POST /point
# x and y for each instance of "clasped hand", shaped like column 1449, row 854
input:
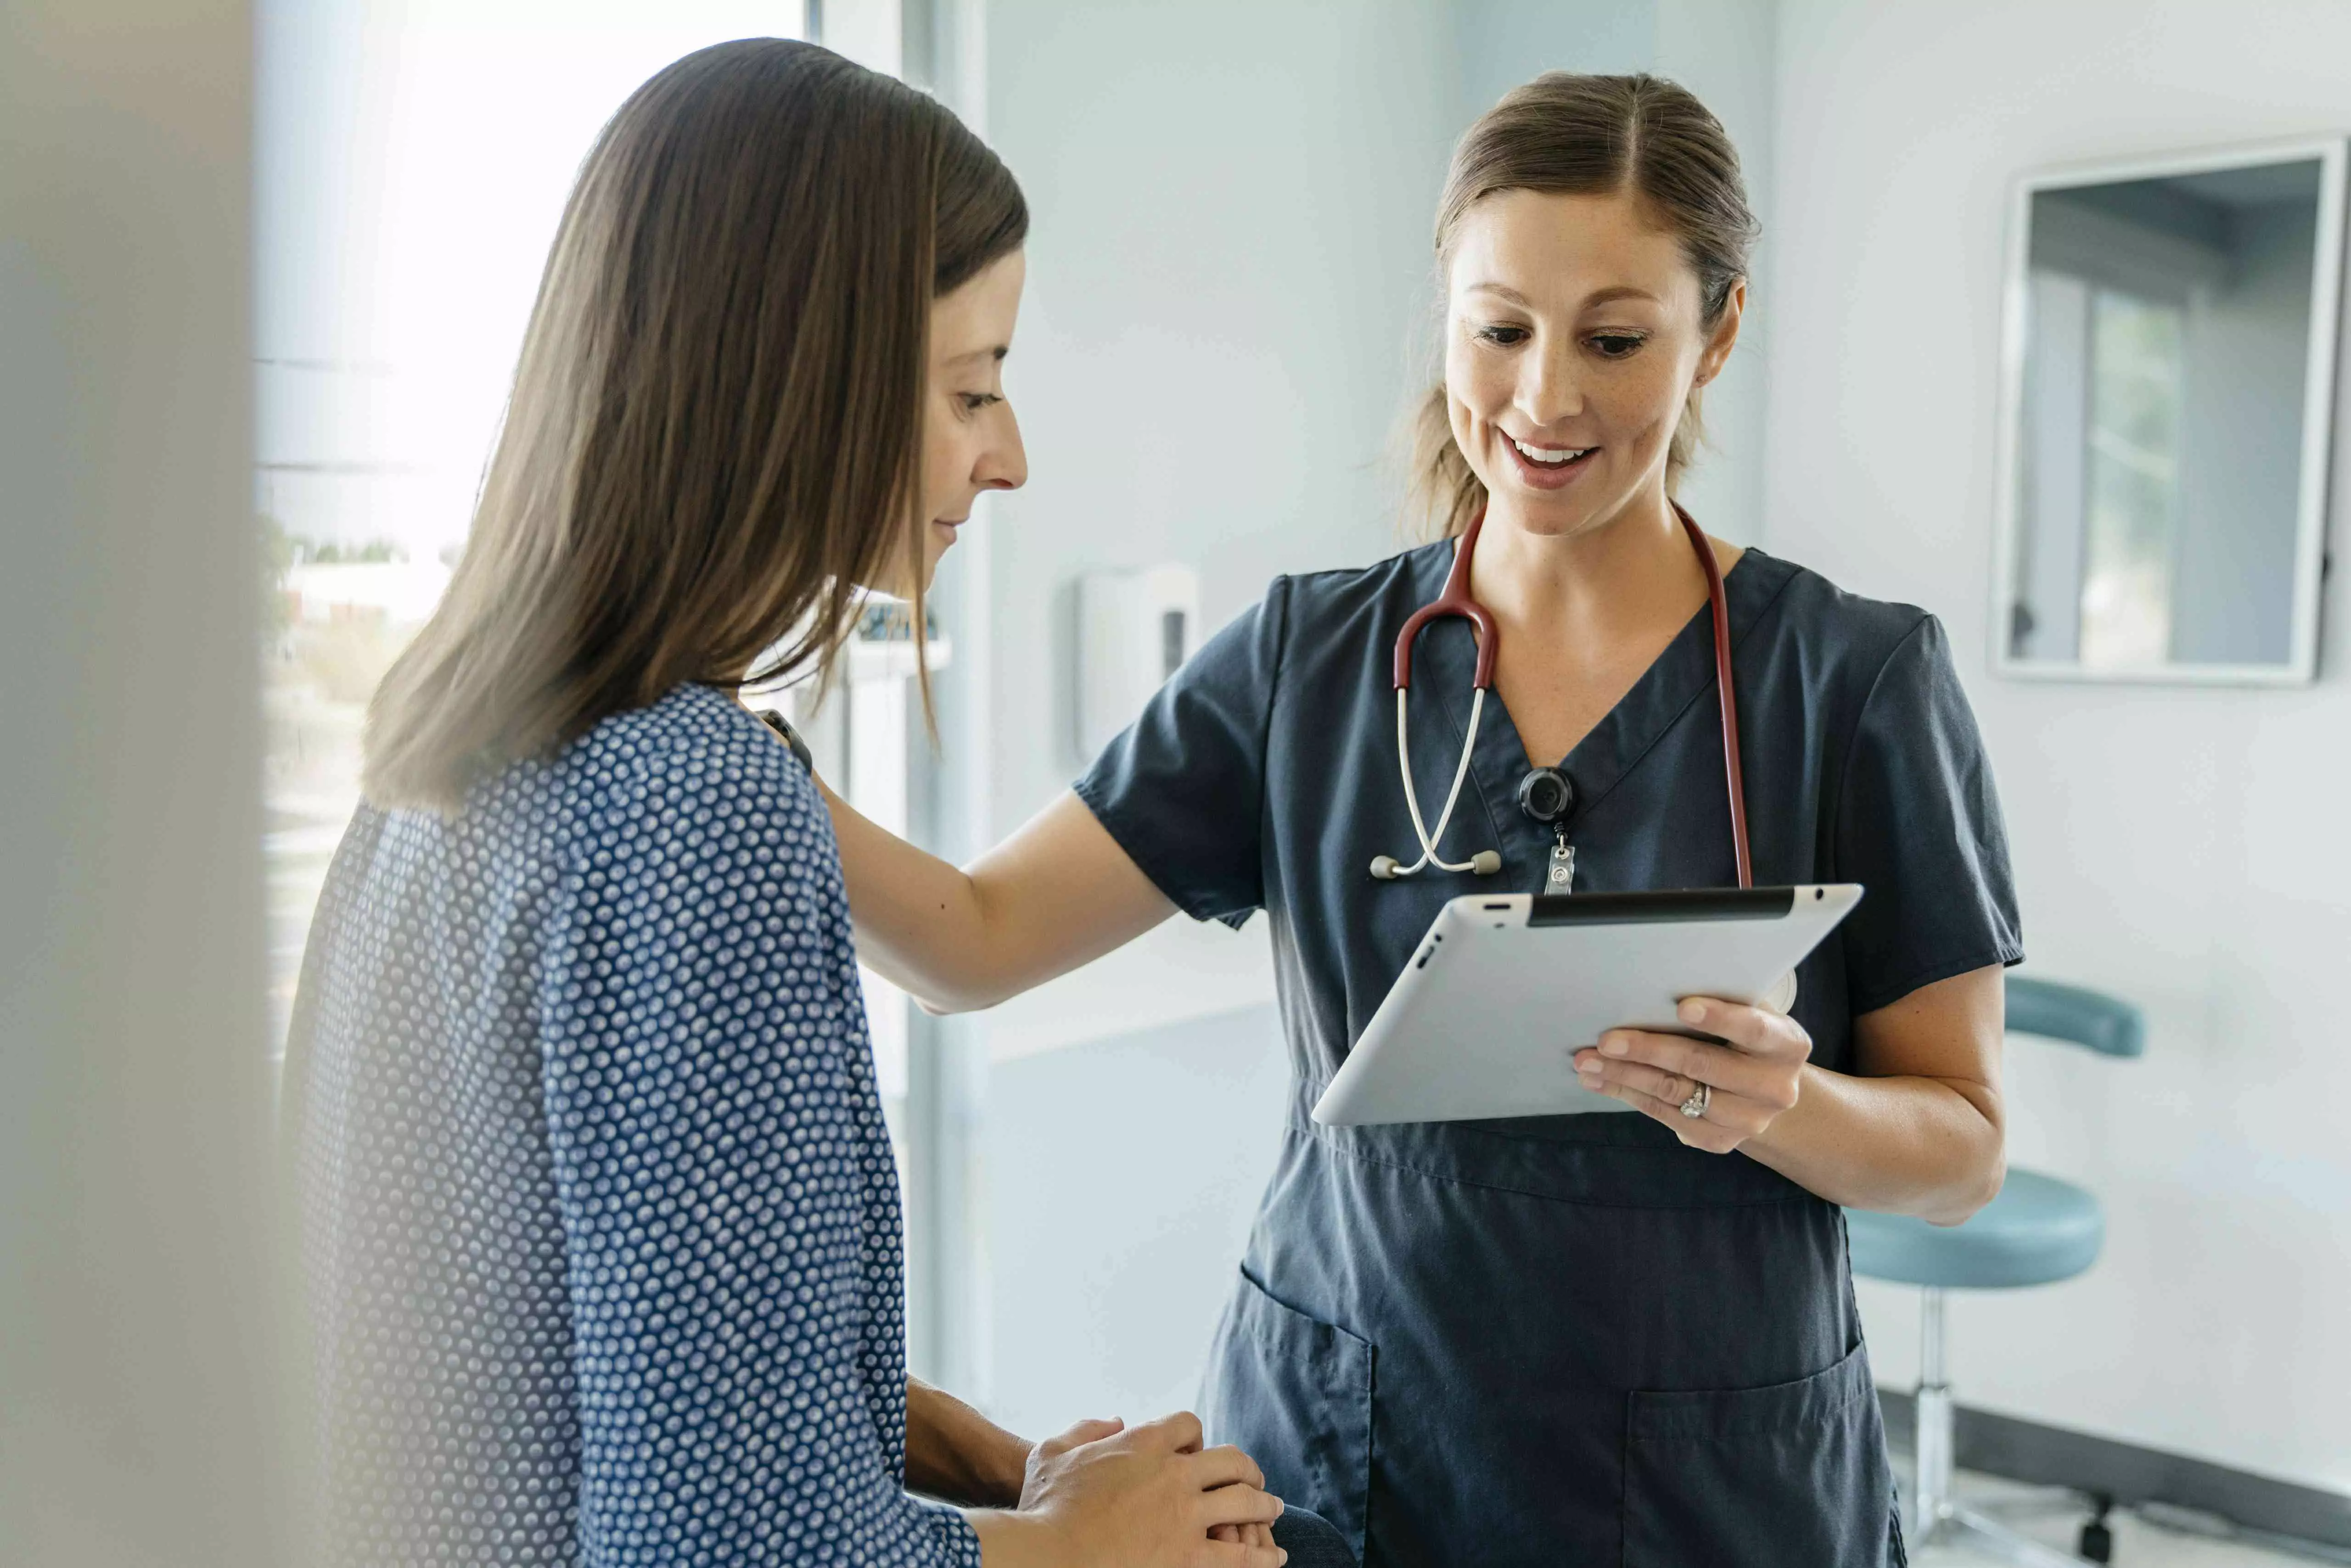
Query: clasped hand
column 1153, row 1497
column 1753, row 1074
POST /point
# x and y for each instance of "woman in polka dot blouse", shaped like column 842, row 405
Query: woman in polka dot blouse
column 601, row 1222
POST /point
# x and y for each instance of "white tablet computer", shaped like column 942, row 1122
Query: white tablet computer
column 1504, row 989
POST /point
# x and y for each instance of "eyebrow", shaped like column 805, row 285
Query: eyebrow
column 996, row 353
column 1603, row 296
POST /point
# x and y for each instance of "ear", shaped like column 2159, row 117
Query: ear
column 1720, row 343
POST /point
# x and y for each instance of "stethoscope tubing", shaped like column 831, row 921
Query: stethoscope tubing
column 1725, row 692
column 1428, row 840
column 1456, row 599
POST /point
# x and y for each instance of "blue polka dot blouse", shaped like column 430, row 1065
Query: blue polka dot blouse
column 600, row 1221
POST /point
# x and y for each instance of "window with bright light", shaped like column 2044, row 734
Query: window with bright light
column 2131, row 513
column 412, row 158
column 2105, row 396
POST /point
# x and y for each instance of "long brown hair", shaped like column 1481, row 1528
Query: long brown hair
column 1590, row 135
column 714, row 435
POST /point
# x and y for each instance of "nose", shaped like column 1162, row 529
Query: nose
column 1548, row 389
column 1004, row 461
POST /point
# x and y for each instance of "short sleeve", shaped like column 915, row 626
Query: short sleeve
column 1918, row 825
column 1183, row 790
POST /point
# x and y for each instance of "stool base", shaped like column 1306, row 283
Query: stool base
column 1935, row 1517
column 1984, row 1536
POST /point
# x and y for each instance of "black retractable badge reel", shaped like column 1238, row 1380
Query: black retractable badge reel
column 1546, row 795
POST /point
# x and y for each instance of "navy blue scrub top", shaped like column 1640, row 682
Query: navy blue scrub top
column 1559, row 1338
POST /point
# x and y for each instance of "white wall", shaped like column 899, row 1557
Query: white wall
column 2187, row 848
column 1231, row 205
column 137, row 1344
column 1229, row 257
column 1122, row 1179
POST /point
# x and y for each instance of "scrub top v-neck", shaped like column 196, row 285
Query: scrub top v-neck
column 1568, row 1338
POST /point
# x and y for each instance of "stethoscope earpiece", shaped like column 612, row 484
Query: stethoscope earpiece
column 1387, row 868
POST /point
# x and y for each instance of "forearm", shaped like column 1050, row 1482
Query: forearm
column 1924, row 1146
column 918, row 921
column 958, row 1454
column 1058, row 894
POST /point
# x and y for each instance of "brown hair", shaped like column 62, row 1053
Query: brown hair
column 1590, row 135
column 714, row 435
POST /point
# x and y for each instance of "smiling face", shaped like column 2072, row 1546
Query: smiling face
column 970, row 440
column 1573, row 338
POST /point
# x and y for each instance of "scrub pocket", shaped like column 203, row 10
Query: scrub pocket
column 1790, row 1476
column 1295, row 1393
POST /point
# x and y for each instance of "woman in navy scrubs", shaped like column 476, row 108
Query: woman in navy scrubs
column 1626, row 1338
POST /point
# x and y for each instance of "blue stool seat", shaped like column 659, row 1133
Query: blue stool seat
column 2037, row 1231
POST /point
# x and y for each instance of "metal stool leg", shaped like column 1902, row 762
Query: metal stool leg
column 1937, row 1518
column 1930, row 1492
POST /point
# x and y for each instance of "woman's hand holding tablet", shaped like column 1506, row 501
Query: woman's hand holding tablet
column 1714, row 1096
column 1481, row 1019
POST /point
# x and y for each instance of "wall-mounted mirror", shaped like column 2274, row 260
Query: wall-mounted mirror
column 2167, row 408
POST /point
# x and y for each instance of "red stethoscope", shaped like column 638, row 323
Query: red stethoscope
column 1544, row 794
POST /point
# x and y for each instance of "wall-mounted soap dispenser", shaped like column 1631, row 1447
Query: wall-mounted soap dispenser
column 1134, row 628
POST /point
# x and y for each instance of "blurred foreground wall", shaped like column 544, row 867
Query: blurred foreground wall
column 136, row 1380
